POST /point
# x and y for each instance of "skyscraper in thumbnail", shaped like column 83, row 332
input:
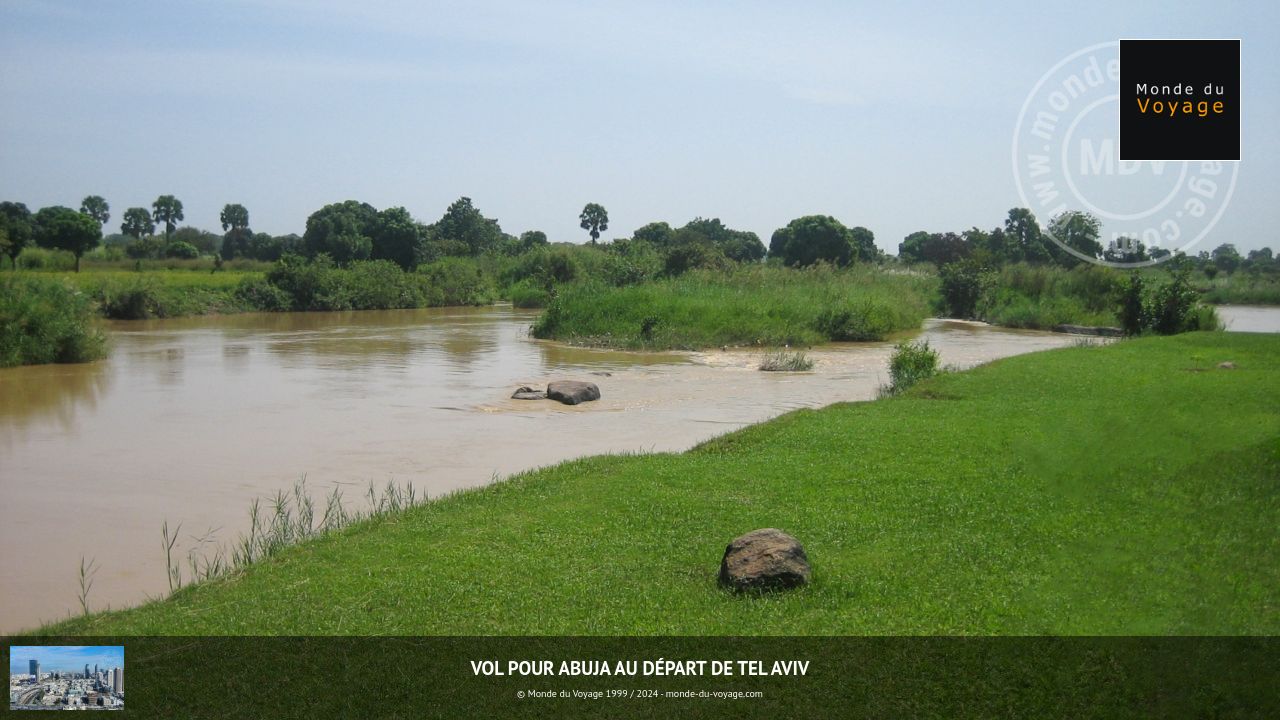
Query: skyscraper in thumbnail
column 35, row 669
column 117, row 677
column 86, row 671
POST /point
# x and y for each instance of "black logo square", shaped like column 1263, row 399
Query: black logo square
column 1179, row 99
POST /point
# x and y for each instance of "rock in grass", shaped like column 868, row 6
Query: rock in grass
column 528, row 393
column 766, row 559
column 1228, row 365
column 572, row 392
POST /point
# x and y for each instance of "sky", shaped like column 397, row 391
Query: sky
column 70, row 658
column 895, row 116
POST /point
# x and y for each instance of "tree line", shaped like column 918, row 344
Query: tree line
column 352, row 230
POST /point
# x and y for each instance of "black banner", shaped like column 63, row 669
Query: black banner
column 434, row 677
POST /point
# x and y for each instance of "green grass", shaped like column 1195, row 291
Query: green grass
column 1124, row 489
column 162, row 293
column 46, row 321
column 750, row 305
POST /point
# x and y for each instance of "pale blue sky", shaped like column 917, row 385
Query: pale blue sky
column 896, row 116
column 71, row 658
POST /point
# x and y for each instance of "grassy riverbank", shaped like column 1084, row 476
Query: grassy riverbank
column 759, row 305
column 1127, row 489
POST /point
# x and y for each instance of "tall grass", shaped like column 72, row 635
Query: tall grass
column 1043, row 296
column 786, row 361
column 1244, row 289
column 283, row 520
column 44, row 320
column 750, row 305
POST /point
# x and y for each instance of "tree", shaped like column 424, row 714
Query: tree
column 97, row 208
column 65, row 229
column 1125, row 249
column 464, row 223
column 341, row 231
column 738, row 245
column 16, row 231
column 530, row 239
column 1078, row 231
column 864, row 244
column 396, row 237
column 1261, row 255
column 809, row 239
column 167, row 209
column 1227, row 258
column 1023, row 240
column 137, row 223
column 657, row 234
column 937, row 248
column 594, row 219
column 235, row 223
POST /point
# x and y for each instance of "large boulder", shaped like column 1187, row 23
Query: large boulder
column 528, row 393
column 572, row 392
column 766, row 559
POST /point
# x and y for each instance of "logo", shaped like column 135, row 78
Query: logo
column 1066, row 158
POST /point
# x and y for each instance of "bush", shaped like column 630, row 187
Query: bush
column 46, row 321
column 147, row 248
column 135, row 298
column 867, row 320
column 310, row 284
column 456, row 281
column 529, row 294
column 1173, row 307
column 963, row 284
column 1133, row 316
column 911, row 363
column 381, row 284
column 179, row 249
column 256, row 293
column 38, row 258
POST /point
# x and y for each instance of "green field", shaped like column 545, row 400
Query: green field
column 1126, row 489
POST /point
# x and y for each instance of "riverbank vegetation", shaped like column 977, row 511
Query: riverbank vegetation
column 695, row 285
column 756, row 306
column 1135, row 498
column 46, row 322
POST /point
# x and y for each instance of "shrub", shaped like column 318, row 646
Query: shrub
column 529, row 294
column 1133, row 316
column 135, row 298
column 255, row 293
column 38, row 258
column 867, row 320
column 310, row 284
column 381, row 284
column 456, row 281
column 1172, row 308
column 963, row 284
column 46, row 321
column 911, row 363
column 179, row 249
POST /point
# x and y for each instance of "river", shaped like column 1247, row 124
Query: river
column 190, row 419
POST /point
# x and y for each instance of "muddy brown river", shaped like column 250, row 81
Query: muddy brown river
column 190, row 419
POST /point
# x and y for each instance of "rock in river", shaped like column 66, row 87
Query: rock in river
column 528, row 393
column 572, row 392
column 766, row 559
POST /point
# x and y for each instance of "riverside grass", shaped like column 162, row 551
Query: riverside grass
column 750, row 305
column 1127, row 489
